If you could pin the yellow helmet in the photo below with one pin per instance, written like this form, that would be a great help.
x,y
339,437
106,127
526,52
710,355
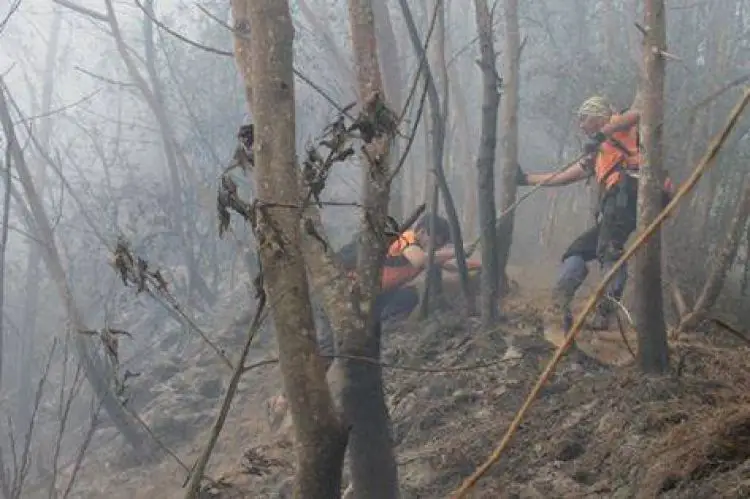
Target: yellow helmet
x,y
595,106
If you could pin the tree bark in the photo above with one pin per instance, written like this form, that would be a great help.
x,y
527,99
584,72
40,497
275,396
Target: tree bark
x,y
510,138
486,166
374,473
653,352
389,57
320,435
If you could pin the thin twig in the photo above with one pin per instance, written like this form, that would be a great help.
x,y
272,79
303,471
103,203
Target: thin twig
x,y
13,8
733,330
399,367
412,134
422,61
104,78
81,453
59,110
196,474
21,472
706,162
620,326
64,407
227,53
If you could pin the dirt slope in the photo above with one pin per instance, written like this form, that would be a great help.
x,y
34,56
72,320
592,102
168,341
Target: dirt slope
x,y
596,431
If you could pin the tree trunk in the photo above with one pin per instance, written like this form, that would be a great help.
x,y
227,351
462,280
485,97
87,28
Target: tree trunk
x,y
390,67
97,374
320,435
510,138
157,100
486,165
34,261
721,263
374,473
7,180
653,352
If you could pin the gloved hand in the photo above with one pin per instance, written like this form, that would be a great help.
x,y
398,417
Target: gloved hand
x,y
594,143
522,177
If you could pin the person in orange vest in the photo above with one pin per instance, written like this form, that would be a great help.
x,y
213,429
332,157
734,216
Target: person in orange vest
x,y
406,258
613,159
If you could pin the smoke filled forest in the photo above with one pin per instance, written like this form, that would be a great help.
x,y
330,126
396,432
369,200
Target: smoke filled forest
x,y
374,249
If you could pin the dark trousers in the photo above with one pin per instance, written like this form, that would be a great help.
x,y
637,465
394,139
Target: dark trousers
x,y
605,242
388,305
396,303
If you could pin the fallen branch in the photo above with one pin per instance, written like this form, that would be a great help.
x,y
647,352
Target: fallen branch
x,y
731,329
706,162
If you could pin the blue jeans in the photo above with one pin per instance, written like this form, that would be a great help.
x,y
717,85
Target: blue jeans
x,y
604,242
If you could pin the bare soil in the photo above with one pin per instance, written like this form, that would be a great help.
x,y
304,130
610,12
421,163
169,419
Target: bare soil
x,y
598,429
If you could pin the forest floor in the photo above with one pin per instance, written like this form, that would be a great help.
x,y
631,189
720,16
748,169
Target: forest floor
x,y
596,430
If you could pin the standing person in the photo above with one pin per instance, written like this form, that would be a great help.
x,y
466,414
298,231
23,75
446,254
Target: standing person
x,y
613,158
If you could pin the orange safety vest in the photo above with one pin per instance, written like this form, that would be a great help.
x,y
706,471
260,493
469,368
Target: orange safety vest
x,y
397,270
611,157
407,238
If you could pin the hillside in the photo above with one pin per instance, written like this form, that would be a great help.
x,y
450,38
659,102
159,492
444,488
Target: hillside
x,y
597,430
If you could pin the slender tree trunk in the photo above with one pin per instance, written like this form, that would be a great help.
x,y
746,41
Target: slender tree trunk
x,y
173,155
320,435
374,473
486,165
653,352
724,256
34,262
3,252
390,67
97,374
510,138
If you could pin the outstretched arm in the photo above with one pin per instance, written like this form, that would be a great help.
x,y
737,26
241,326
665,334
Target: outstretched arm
x,y
574,173
418,257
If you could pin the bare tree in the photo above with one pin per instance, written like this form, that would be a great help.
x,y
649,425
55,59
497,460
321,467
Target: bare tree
x,y
3,251
721,262
486,164
150,88
373,463
438,142
653,351
96,372
512,56
269,79
34,260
